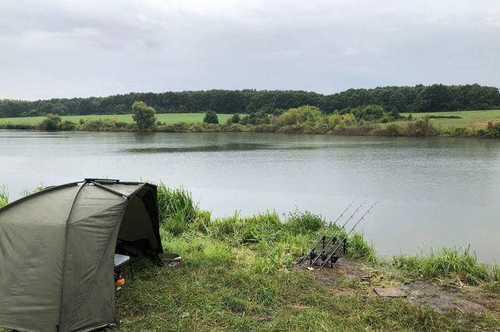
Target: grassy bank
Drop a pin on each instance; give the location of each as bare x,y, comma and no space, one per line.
239,274
466,119
167,119
303,120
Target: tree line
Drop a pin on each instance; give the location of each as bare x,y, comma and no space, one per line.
393,99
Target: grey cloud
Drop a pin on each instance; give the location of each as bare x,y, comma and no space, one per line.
80,48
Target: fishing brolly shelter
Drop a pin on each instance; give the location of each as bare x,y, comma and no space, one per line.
57,248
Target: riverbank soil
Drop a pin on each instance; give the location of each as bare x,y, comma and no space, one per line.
350,277
214,290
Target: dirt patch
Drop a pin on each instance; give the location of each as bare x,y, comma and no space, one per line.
441,300
348,278
390,292
344,271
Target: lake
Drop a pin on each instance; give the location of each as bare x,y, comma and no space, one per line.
430,192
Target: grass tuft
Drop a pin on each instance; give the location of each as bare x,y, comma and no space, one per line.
304,222
177,209
4,197
359,248
447,263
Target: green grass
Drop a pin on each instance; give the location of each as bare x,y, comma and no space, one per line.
468,119
165,118
177,209
448,263
236,286
239,274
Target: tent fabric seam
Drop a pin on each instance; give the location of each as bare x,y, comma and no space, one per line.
102,256
73,204
44,191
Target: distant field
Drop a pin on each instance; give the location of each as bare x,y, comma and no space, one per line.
166,118
469,119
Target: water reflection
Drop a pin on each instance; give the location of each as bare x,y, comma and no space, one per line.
431,192
221,147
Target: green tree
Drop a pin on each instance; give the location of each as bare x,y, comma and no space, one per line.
143,115
211,117
51,123
235,118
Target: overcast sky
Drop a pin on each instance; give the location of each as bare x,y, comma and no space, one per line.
63,48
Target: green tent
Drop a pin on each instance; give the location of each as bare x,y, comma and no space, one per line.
57,248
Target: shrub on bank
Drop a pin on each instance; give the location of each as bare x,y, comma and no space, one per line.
299,116
256,118
420,128
391,130
341,120
491,131
68,125
235,127
459,132
211,117
368,113
50,123
234,119
446,263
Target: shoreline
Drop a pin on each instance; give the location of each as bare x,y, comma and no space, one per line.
390,130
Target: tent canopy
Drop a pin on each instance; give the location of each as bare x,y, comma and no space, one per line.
57,248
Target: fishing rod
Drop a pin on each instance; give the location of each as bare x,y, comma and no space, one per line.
362,217
353,214
349,233
322,239
333,238
342,214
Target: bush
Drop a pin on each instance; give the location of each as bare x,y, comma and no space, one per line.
390,130
369,112
50,123
492,131
99,125
341,120
256,118
211,117
300,115
459,132
234,119
421,128
68,125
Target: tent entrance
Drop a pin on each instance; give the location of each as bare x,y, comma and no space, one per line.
138,235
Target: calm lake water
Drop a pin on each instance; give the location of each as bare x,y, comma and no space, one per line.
431,192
